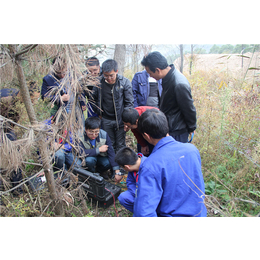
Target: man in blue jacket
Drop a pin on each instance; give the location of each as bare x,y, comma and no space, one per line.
130,162
63,155
96,150
56,82
146,90
170,180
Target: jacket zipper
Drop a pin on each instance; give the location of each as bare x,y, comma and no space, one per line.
112,91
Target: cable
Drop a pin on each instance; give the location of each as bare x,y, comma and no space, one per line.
114,201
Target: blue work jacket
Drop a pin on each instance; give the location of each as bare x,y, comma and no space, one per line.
171,182
48,83
141,88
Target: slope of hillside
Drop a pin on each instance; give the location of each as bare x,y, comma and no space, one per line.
229,63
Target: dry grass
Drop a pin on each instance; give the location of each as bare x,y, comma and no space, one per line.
227,136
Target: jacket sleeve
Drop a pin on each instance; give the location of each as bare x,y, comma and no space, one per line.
46,87
128,94
94,100
149,194
131,182
135,90
67,146
185,102
82,99
88,152
139,138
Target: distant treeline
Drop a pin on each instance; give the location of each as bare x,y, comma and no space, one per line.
214,49
238,48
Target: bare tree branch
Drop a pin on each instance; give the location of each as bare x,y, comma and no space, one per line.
26,49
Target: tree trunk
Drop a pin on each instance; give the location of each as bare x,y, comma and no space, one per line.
119,56
47,166
181,53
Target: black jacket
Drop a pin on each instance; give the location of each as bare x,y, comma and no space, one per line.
177,103
123,97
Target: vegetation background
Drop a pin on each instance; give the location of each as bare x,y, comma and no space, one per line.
186,22
226,92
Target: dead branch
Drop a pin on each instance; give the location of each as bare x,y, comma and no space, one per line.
26,49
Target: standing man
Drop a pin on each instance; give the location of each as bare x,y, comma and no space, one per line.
146,90
114,95
170,180
176,100
56,87
93,66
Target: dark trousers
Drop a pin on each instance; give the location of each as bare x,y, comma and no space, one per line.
183,138
117,136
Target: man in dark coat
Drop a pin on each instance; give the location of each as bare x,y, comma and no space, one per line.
110,100
56,79
176,100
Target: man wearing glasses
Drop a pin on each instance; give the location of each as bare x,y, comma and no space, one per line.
96,150
110,100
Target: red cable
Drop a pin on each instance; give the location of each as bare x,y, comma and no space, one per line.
114,201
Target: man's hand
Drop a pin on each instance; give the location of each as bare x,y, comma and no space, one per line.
84,108
65,97
58,146
103,148
118,178
145,150
126,128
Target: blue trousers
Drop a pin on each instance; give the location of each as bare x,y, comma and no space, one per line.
62,157
126,199
97,164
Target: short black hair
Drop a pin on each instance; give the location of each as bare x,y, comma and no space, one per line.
92,61
92,123
126,156
58,64
154,60
130,115
109,65
154,123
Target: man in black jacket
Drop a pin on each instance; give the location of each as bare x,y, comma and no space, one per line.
176,100
110,100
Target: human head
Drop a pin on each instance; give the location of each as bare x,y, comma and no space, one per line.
130,117
154,62
92,127
154,123
110,70
59,67
93,66
126,157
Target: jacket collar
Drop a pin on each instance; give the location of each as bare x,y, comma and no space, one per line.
163,142
168,76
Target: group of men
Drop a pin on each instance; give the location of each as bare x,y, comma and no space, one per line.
164,177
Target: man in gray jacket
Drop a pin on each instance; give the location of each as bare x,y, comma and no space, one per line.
176,101
110,99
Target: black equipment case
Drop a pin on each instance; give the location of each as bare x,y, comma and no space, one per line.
96,187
